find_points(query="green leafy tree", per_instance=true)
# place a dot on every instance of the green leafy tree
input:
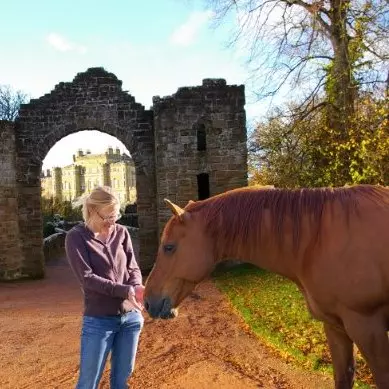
(291, 152)
(52, 206)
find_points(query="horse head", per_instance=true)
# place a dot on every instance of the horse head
(184, 258)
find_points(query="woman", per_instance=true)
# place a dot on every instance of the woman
(101, 255)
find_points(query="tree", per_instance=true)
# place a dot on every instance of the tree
(290, 152)
(283, 151)
(10, 102)
(327, 50)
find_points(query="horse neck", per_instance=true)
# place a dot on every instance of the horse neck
(262, 249)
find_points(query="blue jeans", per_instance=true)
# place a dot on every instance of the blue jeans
(99, 336)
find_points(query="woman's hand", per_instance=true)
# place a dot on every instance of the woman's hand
(134, 301)
(139, 292)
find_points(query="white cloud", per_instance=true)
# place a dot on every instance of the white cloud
(60, 43)
(185, 34)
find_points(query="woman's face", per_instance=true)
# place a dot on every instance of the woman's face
(106, 217)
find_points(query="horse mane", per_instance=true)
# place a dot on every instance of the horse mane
(241, 209)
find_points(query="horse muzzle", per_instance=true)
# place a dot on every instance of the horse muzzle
(160, 308)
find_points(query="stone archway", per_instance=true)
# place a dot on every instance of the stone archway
(163, 141)
(93, 101)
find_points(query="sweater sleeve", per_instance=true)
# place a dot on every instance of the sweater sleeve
(79, 261)
(132, 264)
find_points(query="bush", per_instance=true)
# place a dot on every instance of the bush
(56, 213)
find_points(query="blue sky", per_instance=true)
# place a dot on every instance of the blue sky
(154, 47)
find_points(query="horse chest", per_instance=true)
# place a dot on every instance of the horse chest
(316, 311)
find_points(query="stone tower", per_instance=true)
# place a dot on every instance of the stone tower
(200, 143)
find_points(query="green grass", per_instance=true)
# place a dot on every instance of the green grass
(275, 310)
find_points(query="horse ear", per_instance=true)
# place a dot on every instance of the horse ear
(178, 211)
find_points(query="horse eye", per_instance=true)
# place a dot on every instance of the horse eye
(169, 248)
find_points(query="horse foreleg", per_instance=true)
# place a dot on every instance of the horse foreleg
(369, 334)
(341, 348)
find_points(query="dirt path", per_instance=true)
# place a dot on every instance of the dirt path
(206, 347)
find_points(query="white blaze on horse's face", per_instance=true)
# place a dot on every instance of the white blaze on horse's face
(185, 257)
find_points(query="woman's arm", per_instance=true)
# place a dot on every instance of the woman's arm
(79, 261)
(132, 264)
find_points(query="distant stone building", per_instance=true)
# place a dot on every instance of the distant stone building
(88, 171)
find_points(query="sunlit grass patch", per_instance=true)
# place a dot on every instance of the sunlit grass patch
(275, 310)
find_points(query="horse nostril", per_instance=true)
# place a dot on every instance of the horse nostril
(146, 305)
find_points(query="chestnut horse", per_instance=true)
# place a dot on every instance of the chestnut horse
(333, 243)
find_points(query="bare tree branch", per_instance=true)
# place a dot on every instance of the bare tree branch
(313, 9)
(10, 102)
(293, 44)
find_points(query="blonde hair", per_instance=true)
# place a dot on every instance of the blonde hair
(99, 197)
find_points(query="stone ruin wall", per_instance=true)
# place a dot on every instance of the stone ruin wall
(216, 107)
(10, 248)
(162, 142)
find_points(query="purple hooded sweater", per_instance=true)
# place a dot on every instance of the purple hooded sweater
(107, 271)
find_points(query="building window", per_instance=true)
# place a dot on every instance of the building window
(201, 138)
(203, 186)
